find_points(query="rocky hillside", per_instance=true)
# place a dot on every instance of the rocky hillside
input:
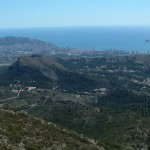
(21, 132)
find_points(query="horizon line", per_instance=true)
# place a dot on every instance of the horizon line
(69, 26)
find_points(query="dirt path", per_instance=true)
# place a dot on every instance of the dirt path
(7, 99)
(2, 65)
(140, 122)
(15, 97)
(87, 119)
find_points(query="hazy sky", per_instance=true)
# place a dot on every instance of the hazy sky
(47, 13)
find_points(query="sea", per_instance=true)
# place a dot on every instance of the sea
(126, 38)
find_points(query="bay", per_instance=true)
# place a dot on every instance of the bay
(128, 38)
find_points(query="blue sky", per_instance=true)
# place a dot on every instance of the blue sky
(48, 13)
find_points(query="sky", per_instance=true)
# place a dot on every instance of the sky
(53, 13)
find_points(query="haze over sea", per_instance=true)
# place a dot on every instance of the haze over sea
(128, 38)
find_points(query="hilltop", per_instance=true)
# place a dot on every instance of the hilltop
(48, 72)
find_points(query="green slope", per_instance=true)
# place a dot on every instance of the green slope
(19, 131)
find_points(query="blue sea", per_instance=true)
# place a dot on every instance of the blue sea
(128, 38)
